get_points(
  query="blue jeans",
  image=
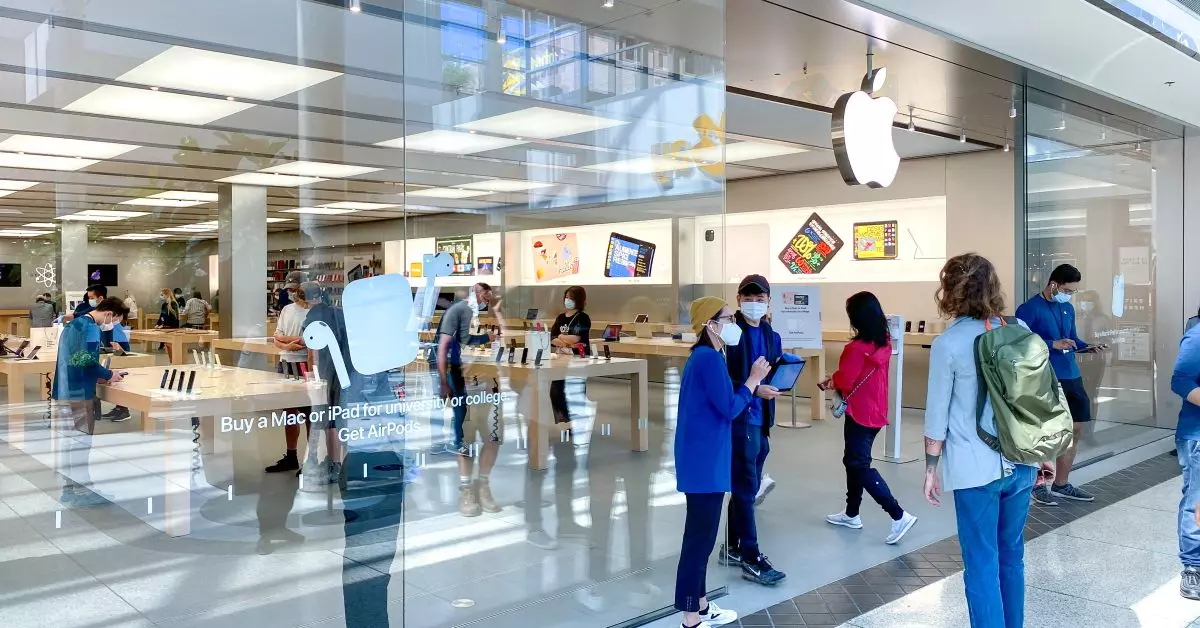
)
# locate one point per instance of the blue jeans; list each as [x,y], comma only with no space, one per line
[458,390]
[750,449]
[1189,532]
[991,525]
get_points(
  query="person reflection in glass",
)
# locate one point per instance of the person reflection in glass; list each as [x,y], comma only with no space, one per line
[1095,327]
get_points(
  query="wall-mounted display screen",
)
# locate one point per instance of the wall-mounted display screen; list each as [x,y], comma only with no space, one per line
[555,256]
[10,275]
[103,274]
[875,240]
[460,248]
[628,257]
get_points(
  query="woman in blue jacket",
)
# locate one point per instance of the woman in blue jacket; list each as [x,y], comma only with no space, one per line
[703,451]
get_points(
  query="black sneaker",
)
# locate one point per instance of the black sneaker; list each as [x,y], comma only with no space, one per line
[119,414]
[1189,583]
[730,557]
[289,462]
[762,572]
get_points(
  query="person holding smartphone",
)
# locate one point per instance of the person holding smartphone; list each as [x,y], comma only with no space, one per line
[1050,315]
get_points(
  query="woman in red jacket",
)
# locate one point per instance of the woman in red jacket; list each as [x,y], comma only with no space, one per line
[862,380]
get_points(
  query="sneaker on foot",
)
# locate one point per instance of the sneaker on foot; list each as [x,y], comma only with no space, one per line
[468,501]
[1041,494]
[730,556]
[764,488]
[486,500]
[1071,492]
[761,571]
[315,477]
[901,527]
[288,462]
[590,599]
[118,414]
[716,616]
[539,538]
[1189,583]
[841,519]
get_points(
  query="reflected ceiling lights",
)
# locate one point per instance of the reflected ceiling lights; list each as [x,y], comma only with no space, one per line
[642,165]
[146,104]
[319,169]
[102,215]
[447,193]
[198,227]
[542,123]
[209,72]
[504,185]
[452,142]
[21,233]
[173,199]
[273,220]
[270,179]
[44,162]
[356,205]
[12,187]
[739,151]
[41,225]
[135,236]
[318,211]
[64,147]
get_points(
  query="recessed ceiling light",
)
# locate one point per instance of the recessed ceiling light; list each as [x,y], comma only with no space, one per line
[44,162]
[174,199]
[64,147]
[358,205]
[41,225]
[12,187]
[21,233]
[144,104]
[740,151]
[198,227]
[274,219]
[135,236]
[102,215]
[453,142]
[319,169]
[269,179]
[504,185]
[224,74]
[447,193]
[541,122]
[642,165]
[317,211]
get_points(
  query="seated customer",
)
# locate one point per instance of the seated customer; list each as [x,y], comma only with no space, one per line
[195,312]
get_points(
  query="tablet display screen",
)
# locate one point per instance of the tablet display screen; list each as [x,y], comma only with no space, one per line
[783,377]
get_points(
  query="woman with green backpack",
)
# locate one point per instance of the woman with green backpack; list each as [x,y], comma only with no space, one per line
[991,492]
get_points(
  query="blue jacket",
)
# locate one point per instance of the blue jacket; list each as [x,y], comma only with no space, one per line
[703,435]
[1184,379]
[78,365]
[739,362]
[1054,321]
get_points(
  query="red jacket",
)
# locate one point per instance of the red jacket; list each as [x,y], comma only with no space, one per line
[868,406]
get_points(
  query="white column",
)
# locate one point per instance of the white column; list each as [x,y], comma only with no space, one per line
[242,250]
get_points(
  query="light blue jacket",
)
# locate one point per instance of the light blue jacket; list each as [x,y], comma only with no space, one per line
[967,462]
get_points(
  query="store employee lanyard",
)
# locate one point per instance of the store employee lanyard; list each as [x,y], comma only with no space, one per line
[566,329]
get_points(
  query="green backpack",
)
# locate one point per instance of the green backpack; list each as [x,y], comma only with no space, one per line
[1033,423]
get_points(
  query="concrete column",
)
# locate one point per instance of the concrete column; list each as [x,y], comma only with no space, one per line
[242,262]
[72,256]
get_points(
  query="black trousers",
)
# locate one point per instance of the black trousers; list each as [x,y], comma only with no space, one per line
[750,449]
[861,476]
[699,535]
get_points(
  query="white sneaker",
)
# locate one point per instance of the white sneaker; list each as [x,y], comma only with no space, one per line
[702,624]
[900,528]
[590,599]
[840,519]
[718,616]
[764,488]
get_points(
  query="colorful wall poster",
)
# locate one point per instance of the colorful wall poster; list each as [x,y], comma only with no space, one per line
[875,240]
[485,265]
[810,250]
[628,257]
[796,315]
[555,256]
[459,248]
[414,269]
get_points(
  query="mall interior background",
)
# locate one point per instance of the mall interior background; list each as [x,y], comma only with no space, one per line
[374,136]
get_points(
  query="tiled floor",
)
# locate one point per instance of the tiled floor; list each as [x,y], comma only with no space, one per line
[844,601]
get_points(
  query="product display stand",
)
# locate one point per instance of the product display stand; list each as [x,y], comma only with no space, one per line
[892,433]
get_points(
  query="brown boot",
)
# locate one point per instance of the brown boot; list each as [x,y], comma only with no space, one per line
[486,500]
[468,501]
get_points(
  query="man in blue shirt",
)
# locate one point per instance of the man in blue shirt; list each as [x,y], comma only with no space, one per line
[1185,382]
[1050,315]
[751,430]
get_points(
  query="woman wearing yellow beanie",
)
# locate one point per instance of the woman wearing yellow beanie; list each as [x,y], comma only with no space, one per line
[708,404]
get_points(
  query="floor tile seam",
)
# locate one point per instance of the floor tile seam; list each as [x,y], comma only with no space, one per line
[1062,532]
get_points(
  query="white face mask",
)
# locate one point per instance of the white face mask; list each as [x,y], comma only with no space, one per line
[1086,306]
[93,302]
[754,310]
[106,326]
[730,334]
[1062,297]
[569,304]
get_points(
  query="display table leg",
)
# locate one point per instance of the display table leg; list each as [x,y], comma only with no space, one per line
[639,410]
[818,395]
[177,506]
[178,354]
[539,410]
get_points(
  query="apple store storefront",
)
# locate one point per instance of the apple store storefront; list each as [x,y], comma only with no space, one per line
[375,313]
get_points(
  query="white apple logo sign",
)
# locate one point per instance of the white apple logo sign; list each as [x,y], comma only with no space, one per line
[862,134]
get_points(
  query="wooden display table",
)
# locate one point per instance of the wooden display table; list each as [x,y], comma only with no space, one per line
[16,370]
[11,323]
[264,346]
[178,339]
[218,392]
[911,339]
[534,383]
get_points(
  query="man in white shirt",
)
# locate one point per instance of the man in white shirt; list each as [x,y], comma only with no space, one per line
[195,312]
[293,353]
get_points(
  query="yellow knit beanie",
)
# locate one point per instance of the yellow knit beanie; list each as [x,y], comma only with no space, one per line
[703,309]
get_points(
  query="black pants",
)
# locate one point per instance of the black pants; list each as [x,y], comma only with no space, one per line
[859,474]
[750,449]
[699,535]
[565,464]
[371,536]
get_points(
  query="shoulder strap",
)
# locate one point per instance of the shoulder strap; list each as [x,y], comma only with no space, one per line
[861,382]
[981,399]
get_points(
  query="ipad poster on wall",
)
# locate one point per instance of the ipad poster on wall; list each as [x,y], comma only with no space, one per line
[485,265]
[460,249]
[810,250]
[796,315]
[875,240]
[555,256]
[628,257]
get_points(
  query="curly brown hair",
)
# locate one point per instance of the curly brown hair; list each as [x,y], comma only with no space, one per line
[970,287]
